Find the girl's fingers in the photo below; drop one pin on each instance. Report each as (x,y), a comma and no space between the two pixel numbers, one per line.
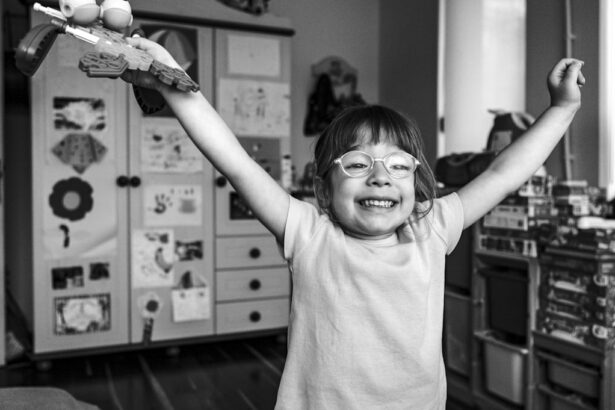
(581,79)
(138,32)
(568,69)
(573,72)
(135,41)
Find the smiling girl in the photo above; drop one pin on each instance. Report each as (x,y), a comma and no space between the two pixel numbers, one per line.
(368,266)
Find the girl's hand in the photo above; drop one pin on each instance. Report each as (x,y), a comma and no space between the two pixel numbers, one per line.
(564,82)
(159,53)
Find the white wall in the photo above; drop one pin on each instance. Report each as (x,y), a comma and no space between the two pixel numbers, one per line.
(409,64)
(345,28)
(606,176)
(546,44)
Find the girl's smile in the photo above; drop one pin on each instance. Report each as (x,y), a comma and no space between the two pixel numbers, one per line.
(375,205)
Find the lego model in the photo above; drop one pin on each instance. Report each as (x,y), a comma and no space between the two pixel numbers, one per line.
(112,57)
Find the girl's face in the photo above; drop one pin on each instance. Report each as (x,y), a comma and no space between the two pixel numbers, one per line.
(375,205)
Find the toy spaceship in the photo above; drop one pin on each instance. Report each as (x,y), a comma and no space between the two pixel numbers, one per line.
(112,56)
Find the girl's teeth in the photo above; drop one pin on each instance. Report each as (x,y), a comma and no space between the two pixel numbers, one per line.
(376,203)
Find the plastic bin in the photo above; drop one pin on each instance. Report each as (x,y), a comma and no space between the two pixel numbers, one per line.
(574,377)
(505,368)
(550,400)
(458,267)
(458,332)
(506,296)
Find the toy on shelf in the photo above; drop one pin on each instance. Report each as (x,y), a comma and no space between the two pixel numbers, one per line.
(102,26)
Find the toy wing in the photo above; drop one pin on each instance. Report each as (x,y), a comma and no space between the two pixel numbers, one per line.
(115,55)
(33,48)
(112,58)
(103,64)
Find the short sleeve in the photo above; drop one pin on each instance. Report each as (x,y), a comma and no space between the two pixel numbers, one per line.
(448,219)
(301,223)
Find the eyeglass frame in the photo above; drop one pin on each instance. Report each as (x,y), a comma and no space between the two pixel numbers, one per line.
(369,169)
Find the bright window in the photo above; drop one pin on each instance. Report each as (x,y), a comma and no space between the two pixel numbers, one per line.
(607,96)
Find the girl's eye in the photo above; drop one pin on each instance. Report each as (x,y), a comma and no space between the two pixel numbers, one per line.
(356,165)
(399,167)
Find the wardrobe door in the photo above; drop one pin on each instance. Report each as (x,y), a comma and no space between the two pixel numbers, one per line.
(79,213)
(171,206)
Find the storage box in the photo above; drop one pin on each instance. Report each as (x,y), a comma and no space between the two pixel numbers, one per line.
(506,296)
(458,268)
(551,400)
(574,330)
(576,378)
(578,261)
(566,278)
(458,332)
(505,368)
(584,299)
(603,315)
(515,246)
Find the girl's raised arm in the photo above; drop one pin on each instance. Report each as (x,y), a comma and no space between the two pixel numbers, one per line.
(266,198)
(518,162)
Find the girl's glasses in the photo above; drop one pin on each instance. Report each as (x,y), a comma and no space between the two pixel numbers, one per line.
(356,164)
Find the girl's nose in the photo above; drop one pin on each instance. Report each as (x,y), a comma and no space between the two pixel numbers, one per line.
(379,175)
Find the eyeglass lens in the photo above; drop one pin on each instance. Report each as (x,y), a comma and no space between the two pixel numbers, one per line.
(397,164)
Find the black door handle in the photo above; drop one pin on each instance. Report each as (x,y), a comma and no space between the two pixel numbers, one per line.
(122,181)
(135,182)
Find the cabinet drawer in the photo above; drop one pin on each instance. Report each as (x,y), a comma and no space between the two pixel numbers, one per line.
(549,399)
(251,284)
(249,316)
(573,377)
(247,252)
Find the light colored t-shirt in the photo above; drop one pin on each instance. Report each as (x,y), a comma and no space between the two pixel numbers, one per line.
(366,316)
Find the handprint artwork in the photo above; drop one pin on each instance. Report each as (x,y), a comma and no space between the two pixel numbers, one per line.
(172,205)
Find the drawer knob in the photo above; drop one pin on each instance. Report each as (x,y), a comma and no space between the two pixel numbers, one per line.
(255,284)
(255,253)
(255,316)
(221,182)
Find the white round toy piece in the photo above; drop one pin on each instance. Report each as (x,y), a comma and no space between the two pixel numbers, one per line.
(116,14)
(81,12)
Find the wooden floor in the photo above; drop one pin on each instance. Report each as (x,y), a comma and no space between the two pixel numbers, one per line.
(239,374)
(234,375)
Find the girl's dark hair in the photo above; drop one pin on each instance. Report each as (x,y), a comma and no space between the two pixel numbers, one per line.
(373,124)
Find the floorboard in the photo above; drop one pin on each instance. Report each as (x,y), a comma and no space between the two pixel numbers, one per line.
(236,375)
(240,374)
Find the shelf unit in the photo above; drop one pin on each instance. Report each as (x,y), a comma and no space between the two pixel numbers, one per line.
(547,371)
(575,367)
(513,386)
(574,356)
(468,338)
